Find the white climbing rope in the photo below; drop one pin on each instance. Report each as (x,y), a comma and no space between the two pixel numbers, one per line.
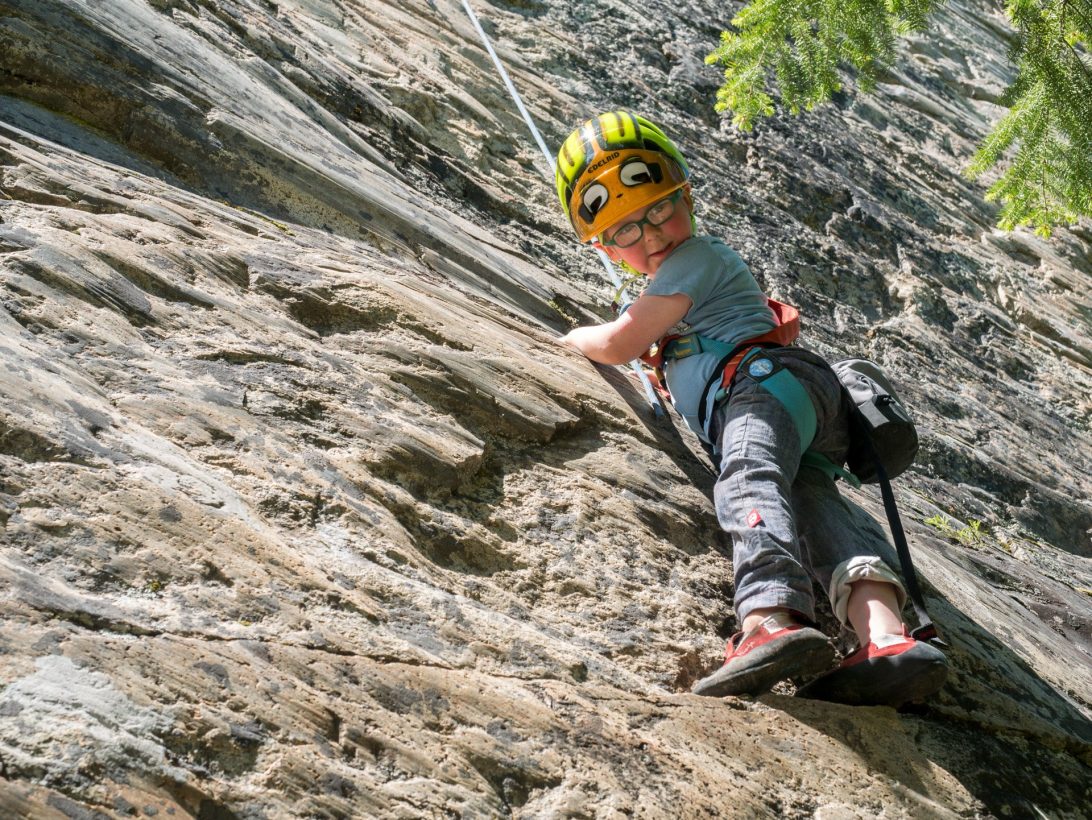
(612,274)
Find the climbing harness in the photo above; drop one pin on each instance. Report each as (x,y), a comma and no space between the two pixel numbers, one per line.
(675,346)
(650,392)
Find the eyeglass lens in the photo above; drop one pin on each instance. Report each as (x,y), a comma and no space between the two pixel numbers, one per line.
(631,232)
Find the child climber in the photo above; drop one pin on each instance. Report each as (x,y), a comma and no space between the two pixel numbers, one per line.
(623,185)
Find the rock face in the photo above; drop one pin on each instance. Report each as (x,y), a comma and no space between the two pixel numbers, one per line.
(304,512)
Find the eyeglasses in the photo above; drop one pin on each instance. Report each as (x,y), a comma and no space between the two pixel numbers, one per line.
(631,232)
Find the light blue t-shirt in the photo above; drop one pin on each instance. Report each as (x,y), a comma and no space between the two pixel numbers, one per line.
(727,305)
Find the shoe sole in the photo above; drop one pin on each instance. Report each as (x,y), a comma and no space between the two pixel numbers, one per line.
(803,652)
(887,681)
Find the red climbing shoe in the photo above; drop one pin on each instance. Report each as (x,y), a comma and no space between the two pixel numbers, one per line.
(774,650)
(897,671)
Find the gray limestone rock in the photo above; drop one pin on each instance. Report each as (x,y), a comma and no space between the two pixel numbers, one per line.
(303,511)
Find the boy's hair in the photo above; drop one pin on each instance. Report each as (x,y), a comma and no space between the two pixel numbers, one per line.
(613,165)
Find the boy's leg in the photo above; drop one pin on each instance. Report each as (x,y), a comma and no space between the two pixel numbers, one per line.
(842,545)
(850,557)
(874,609)
(760,457)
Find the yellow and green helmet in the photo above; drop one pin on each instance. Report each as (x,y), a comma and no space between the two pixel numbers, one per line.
(612,165)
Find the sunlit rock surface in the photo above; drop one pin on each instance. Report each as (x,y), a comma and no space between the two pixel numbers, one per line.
(304,513)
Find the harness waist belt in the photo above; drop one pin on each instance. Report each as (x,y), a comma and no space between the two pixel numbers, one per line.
(680,347)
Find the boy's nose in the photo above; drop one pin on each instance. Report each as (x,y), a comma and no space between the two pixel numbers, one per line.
(652,231)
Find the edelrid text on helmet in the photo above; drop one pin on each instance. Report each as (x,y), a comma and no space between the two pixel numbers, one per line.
(613,165)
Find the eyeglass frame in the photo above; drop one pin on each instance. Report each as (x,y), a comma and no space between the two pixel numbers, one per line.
(673,198)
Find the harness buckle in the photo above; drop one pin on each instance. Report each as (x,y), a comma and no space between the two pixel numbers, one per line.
(682,346)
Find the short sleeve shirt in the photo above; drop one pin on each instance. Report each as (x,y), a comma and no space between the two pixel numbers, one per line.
(727,304)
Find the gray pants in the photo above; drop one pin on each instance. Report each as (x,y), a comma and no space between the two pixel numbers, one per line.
(789,525)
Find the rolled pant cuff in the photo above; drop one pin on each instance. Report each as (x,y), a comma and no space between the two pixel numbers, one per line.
(783,599)
(861,568)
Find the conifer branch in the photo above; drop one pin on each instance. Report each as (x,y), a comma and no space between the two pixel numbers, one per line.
(792,50)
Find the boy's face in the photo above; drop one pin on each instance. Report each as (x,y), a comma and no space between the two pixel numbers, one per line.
(656,242)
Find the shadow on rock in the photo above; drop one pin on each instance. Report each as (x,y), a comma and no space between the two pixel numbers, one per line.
(994,720)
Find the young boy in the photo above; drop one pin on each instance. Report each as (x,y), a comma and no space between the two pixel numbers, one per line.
(623,185)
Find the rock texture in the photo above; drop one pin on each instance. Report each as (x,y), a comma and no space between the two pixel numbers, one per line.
(305,514)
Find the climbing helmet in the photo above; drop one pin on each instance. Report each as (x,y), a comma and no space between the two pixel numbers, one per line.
(613,165)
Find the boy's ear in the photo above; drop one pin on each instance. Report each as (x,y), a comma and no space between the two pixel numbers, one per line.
(688,197)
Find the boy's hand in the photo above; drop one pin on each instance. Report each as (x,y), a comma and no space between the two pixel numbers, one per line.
(632,333)
(567,340)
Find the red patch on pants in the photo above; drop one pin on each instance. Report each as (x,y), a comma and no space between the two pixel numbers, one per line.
(754,518)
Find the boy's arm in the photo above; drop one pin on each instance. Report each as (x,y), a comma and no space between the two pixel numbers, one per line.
(632,333)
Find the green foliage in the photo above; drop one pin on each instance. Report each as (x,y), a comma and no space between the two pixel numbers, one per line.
(560,311)
(1049,178)
(971,535)
(1044,141)
(802,44)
